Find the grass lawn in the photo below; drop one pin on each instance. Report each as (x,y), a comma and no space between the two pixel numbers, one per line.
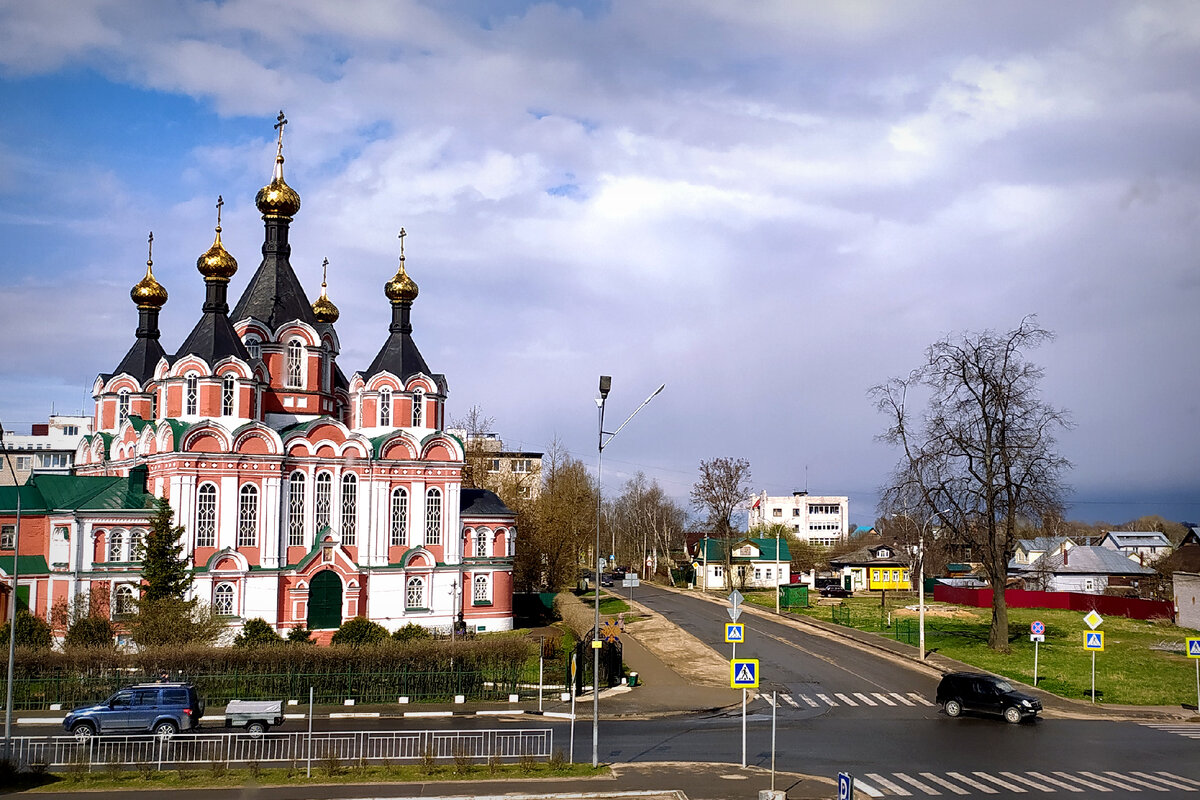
(322,772)
(1143,662)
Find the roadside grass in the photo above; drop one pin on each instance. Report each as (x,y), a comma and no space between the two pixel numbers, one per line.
(610,606)
(294,775)
(1143,662)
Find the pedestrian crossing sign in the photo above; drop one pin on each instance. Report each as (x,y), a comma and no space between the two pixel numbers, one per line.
(1093,640)
(735,632)
(743,673)
(1193,648)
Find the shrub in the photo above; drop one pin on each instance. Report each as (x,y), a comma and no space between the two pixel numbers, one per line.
(256,633)
(412,632)
(359,631)
(32,632)
(301,635)
(90,633)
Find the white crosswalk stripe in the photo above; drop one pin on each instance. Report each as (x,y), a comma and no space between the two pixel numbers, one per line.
(770,700)
(827,699)
(810,701)
(845,699)
(883,698)
(1185,729)
(867,700)
(929,784)
(902,698)
(920,700)
(787,698)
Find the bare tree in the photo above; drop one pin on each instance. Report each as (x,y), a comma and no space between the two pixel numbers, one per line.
(724,484)
(478,446)
(648,524)
(556,529)
(981,458)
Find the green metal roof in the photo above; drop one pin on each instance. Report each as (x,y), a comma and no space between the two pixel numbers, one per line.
(26,565)
(713,549)
(44,493)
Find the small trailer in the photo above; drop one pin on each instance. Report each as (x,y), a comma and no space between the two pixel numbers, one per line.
(256,716)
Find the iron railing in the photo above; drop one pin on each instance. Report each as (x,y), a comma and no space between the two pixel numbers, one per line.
(234,749)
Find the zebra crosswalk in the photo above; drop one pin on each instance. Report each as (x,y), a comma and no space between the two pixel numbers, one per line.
(1188,730)
(928,784)
(851,699)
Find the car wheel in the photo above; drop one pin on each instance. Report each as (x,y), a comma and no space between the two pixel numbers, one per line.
(1012,714)
(256,729)
(83,731)
(166,729)
(953,708)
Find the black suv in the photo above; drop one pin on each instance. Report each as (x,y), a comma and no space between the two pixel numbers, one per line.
(160,708)
(974,691)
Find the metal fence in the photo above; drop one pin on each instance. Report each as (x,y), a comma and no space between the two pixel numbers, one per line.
(273,749)
(902,630)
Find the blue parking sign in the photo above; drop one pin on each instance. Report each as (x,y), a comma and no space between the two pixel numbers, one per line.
(845,786)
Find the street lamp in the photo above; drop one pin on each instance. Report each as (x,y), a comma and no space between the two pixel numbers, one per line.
(921,578)
(12,604)
(605,386)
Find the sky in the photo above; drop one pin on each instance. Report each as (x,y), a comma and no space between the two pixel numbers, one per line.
(768,206)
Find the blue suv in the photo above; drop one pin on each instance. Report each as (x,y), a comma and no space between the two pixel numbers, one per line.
(160,708)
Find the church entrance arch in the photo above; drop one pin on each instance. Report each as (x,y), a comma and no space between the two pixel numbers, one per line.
(325,601)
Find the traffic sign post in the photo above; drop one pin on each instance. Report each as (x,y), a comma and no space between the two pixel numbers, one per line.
(845,786)
(1093,640)
(571,757)
(743,674)
(1037,634)
(1193,651)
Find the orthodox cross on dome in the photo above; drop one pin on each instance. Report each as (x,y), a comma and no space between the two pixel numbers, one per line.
(402,235)
(281,121)
(324,271)
(220,202)
(150,251)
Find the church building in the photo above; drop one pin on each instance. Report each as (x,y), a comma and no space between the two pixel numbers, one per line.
(306,497)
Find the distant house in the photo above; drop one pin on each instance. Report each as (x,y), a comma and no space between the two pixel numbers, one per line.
(1088,569)
(876,567)
(1141,546)
(754,562)
(1028,551)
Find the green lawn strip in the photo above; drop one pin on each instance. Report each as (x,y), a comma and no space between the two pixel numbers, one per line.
(610,606)
(322,773)
(1133,668)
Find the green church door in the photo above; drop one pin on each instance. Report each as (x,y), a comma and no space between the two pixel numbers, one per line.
(325,601)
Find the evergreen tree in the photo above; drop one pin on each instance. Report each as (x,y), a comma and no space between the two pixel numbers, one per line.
(164,566)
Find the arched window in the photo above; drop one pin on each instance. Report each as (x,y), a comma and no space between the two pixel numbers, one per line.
(296,509)
(253,347)
(295,364)
(349,508)
(324,500)
(481,593)
(399,516)
(227,396)
(123,600)
(481,543)
(385,407)
(206,516)
(418,408)
(223,600)
(136,542)
(414,593)
(154,404)
(116,545)
(191,393)
(433,516)
(247,525)
(122,406)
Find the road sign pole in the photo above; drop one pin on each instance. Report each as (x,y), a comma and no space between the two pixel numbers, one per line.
(1093,676)
(1198,684)
(774,710)
(1035,656)
(743,728)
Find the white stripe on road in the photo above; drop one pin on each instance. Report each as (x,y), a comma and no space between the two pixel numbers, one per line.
(902,698)
(1120,785)
(1012,787)
(1069,787)
(894,788)
(1171,783)
(500,712)
(827,699)
(944,783)
(787,698)
(958,776)
(865,699)
(921,700)
(883,698)
(924,787)
(1135,781)
(354,715)
(845,699)
(1089,784)
(770,700)
(1012,776)
(867,788)
(1178,778)
(809,700)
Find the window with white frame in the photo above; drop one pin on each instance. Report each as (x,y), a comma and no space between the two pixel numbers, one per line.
(70,430)
(53,460)
(493,465)
(399,516)
(137,541)
(191,394)
(228,395)
(385,408)
(481,543)
(122,406)
(123,600)
(522,465)
(116,545)
(433,516)
(349,508)
(480,593)
(253,347)
(418,408)
(25,463)
(295,364)
(414,593)
(247,525)
(296,509)
(223,600)
(206,516)
(8,535)
(323,504)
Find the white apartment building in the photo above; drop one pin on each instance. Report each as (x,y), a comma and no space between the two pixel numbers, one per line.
(49,447)
(819,520)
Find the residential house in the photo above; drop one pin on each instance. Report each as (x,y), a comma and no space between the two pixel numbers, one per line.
(1141,546)
(820,520)
(49,447)
(755,562)
(877,567)
(1086,568)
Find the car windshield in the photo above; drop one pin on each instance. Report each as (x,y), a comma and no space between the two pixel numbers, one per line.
(1004,686)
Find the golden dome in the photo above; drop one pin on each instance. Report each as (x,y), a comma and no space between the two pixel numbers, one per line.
(401,287)
(216,263)
(323,308)
(277,199)
(148,292)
